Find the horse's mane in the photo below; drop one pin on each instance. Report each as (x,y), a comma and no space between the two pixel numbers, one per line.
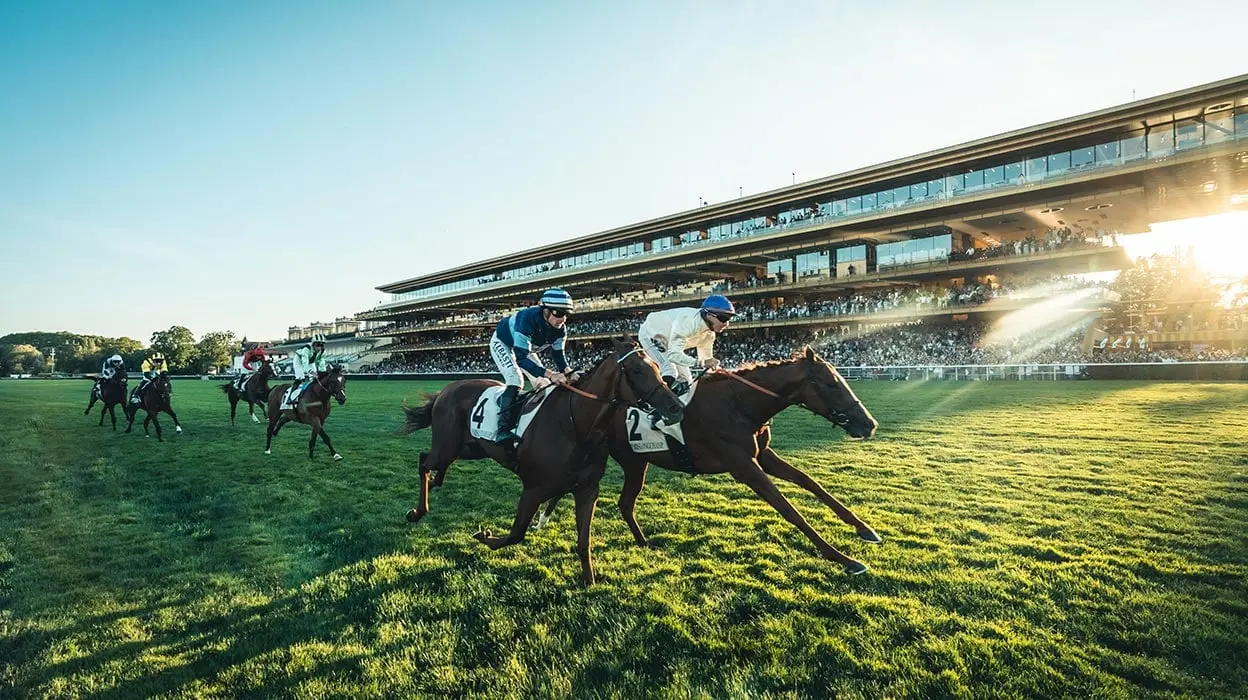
(755,366)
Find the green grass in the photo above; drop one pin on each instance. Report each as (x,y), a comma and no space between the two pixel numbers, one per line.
(1074,539)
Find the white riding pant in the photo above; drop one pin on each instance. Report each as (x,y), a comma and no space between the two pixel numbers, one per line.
(658,352)
(505,359)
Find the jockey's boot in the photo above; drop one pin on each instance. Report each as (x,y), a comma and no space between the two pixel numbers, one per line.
(506,416)
(678,386)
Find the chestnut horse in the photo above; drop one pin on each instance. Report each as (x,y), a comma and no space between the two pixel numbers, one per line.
(255,392)
(562,451)
(155,398)
(727,428)
(311,408)
(111,392)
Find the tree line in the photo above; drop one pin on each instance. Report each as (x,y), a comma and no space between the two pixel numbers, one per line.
(41,352)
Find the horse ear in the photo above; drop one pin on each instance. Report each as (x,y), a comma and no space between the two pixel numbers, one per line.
(810,354)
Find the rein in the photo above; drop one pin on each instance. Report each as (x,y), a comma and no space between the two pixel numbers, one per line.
(595,397)
(838,417)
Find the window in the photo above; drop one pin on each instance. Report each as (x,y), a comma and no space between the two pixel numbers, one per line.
(994,176)
(1037,168)
(1107,153)
(1013,171)
(1134,146)
(1188,133)
(975,180)
(1082,157)
(1059,163)
(1161,141)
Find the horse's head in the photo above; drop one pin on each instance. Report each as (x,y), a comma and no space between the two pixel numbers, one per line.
(163,386)
(642,385)
(267,370)
(828,394)
(335,382)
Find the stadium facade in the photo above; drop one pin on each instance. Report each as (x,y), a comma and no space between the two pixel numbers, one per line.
(1052,199)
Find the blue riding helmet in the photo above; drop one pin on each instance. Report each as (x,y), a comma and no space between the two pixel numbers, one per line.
(719,305)
(555,299)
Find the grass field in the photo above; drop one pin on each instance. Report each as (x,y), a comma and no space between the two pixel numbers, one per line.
(1070,539)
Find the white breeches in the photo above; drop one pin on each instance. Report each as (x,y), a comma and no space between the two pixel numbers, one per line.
(658,352)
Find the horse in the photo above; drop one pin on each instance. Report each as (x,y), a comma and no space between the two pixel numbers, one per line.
(563,449)
(255,392)
(153,399)
(312,408)
(111,392)
(727,428)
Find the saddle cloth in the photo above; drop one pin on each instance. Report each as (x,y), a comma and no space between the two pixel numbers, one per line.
(646,436)
(241,382)
(483,420)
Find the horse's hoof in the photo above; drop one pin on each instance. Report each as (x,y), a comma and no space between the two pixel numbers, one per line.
(337,457)
(87,412)
(255,420)
(856,568)
(414,516)
(268,452)
(869,535)
(178,429)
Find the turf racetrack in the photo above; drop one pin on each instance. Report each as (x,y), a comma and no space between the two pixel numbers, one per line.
(1081,539)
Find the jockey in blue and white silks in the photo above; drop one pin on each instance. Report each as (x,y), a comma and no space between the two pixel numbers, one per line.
(665,335)
(514,346)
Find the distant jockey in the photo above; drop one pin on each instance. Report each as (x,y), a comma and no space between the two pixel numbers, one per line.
(514,346)
(254,359)
(152,366)
(108,370)
(306,363)
(665,335)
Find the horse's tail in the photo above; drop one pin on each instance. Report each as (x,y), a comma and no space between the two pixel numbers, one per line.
(225,388)
(418,418)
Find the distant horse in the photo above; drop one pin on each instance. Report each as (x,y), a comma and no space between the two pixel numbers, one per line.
(312,408)
(563,450)
(727,428)
(255,391)
(111,392)
(153,399)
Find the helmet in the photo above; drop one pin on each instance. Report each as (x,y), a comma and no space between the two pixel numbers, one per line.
(555,299)
(719,305)
(157,357)
(318,339)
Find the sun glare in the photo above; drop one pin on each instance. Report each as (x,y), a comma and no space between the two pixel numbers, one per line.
(1218,244)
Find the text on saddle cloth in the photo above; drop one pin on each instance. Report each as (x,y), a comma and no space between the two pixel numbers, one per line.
(647,435)
(483,419)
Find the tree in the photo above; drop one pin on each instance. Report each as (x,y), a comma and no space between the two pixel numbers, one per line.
(214,350)
(177,345)
(21,359)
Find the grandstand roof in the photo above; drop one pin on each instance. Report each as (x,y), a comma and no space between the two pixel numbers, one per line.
(1168,107)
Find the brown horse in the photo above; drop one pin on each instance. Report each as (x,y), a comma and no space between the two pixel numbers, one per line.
(311,408)
(153,399)
(112,393)
(255,392)
(727,428)
(563,450)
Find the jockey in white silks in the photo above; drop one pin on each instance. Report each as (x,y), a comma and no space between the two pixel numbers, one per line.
(108,370)
(306,363)
(666,335)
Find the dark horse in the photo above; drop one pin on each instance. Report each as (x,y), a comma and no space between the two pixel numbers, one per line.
(563,450)
(255,392)
(110,392)
(311,408)
(727,428)
(153,399)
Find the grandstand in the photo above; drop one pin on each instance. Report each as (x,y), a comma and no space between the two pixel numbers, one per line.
(910,262)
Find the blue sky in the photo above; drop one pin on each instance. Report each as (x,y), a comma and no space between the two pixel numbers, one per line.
(251,165)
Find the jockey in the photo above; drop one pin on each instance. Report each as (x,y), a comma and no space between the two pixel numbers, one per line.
(665,335)
(514,346)
(254,359)
(108,370)
(152,366)
(306,363)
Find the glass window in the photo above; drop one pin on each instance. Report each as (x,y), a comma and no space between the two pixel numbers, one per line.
(868,202)
(1013,171)
(1241,123)
(918,191)
(1037,168)
(1133,146)
(1219,126)
(1107,153)
(1161,141)
(1082,157)
(1188,133)
(854,205)
(994,175)
(975,180)
(936,188)
(900,195)
(1059,163)
(954,184)
(884,199)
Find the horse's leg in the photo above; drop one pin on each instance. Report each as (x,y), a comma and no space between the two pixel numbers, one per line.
(586,502)
(434,462)
(102,410)
(634,480)
(155,418)
(315,424)
(251,411)
(751,474)
(177,427)
(775,465)
(325,439)
(92,403)
(530,500)
(233,405)
(544,516)
(125,410)
(112,413)
(272,430)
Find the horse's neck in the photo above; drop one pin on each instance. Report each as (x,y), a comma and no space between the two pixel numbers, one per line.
(783,379)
